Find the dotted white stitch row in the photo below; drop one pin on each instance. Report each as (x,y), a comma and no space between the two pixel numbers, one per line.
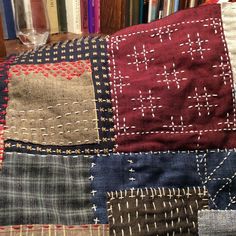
(52,118)
(114,90)
(131,171)
(160,192)
(166,26)
(168,152)
(54,106)
(93,193)
(176,132)
(229,67)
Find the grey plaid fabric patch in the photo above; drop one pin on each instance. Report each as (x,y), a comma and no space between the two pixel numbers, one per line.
(217,223)
(46,189)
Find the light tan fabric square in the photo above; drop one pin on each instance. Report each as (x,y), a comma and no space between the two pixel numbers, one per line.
(52,104)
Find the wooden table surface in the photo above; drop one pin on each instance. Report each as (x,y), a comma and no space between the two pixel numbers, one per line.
(16,47)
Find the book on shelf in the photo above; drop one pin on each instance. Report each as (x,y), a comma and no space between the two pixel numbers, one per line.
(94,16)
(8,24)
(62,15)
(73,16)
(52,15)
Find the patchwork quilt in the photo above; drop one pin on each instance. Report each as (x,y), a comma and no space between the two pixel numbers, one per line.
(131,134)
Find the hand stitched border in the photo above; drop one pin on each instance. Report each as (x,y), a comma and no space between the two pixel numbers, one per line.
(94,49)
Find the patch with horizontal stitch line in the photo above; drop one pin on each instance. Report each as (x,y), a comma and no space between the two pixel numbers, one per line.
(52,104)
(176,77)
(150,211)
(71,80)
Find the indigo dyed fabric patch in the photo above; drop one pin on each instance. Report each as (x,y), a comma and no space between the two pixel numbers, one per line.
(46,189)
(216,223)
(139,170)
(70,111)
(217,170)
(214,169)
(62,109)
(161,211)
(57,230)
(176,75)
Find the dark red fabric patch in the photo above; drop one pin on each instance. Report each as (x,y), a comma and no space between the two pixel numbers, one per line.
(172,84)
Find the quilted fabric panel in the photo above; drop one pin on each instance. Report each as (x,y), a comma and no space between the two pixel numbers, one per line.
(45,190)
(59,230)
(214,169)
(69,53)
(62,108)
(187,100)
(159,211)
(139,170)
(216,223)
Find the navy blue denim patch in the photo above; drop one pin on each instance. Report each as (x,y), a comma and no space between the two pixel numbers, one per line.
(125,171)
(215,169)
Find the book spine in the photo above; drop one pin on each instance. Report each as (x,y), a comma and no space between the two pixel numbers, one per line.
(62,15)
(135,12)
(9,19)
(91,16)
(145,11)
(77,17)
(84,15)
(3,17)
(176,5)
(153,10)
(97,16)
(141,3)
(52,15)
(127,13)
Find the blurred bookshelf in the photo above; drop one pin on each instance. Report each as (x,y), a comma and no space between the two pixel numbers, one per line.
(71,19)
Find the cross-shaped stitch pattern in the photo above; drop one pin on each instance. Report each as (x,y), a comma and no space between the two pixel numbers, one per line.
(181,92)
(142,58)
(171,77)
(147,102)
(195,47)
(160,211)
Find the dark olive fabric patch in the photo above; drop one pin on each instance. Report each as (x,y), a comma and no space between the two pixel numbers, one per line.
(161,211)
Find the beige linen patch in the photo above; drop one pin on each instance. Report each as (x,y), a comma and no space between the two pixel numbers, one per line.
(52,104)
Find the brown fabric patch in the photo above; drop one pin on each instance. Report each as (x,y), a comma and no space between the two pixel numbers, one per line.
(51,230)
(52,104)
(161,211)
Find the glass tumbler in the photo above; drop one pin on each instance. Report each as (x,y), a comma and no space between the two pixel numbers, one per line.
(32,23)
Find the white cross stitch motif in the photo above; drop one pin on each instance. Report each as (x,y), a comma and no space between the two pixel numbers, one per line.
(171,76)
(215,24)
(125,128)
(195,47)
(164,31)
(118,82)
(117,41)
(141,58)
(225,70)
(177,126)
(147,104)
(203,102)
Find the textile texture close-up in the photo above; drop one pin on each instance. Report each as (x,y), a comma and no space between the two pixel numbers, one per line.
(123,135)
